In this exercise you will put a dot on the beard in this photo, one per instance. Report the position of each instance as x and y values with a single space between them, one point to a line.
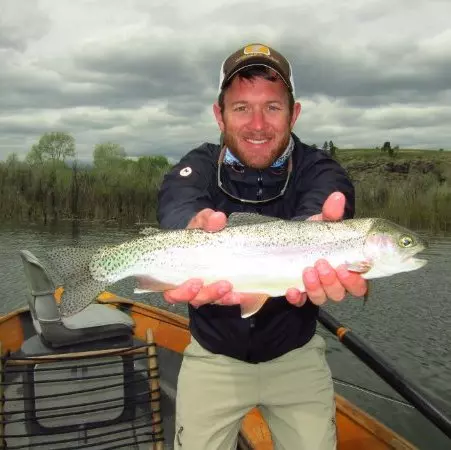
258 159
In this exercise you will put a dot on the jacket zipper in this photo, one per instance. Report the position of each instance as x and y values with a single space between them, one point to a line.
260 185
259 190
250 343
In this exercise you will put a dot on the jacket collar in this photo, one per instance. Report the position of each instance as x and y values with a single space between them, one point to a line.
231 159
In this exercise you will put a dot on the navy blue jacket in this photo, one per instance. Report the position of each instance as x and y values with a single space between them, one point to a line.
191 185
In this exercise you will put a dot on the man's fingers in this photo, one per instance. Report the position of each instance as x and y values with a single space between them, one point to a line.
352 281
216 221
195 292
316 217
313 286
214 293
296 297
322 282
334 207
332 286
208 220
185 292
199 220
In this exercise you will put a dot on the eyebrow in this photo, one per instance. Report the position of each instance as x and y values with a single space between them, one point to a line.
244 102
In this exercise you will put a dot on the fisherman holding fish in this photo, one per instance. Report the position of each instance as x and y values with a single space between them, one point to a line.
251 236
274 359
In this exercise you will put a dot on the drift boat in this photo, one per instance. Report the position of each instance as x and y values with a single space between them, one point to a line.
106 378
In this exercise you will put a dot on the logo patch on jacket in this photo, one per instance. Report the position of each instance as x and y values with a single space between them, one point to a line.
186 172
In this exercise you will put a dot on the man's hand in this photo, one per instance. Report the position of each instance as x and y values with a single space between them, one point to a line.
193 291
208 220
322 282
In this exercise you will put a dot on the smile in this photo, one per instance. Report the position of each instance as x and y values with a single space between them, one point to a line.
257 142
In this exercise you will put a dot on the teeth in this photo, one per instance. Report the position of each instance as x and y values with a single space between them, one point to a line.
253 141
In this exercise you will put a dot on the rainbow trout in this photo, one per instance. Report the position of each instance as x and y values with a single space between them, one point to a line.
257 254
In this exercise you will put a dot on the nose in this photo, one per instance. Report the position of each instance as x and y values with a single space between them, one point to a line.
257 120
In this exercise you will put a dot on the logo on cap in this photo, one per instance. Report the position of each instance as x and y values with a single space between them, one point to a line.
256 48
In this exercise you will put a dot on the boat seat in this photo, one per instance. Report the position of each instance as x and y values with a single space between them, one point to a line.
94 323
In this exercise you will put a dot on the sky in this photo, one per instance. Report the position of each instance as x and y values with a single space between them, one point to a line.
145 73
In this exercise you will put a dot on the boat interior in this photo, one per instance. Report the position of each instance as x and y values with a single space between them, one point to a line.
86 381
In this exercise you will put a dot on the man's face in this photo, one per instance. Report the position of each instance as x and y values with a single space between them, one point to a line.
256 120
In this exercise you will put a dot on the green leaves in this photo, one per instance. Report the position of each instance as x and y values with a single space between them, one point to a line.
55 146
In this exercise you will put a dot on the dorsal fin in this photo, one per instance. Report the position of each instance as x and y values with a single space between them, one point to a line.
240 218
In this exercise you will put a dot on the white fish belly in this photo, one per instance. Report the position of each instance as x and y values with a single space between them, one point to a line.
263 270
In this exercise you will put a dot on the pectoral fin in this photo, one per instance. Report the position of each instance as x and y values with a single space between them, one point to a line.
361 267
358 266
251 303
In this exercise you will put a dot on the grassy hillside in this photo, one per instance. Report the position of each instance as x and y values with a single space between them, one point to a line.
371 153
413 187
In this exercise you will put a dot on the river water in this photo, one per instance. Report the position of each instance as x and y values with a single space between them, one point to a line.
407 319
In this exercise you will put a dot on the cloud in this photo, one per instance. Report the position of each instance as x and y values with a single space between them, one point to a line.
144 74
20 25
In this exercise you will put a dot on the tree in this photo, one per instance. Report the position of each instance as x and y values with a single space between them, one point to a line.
393 151
332 148
325 146
107 154
386 147
153 163
12 160
34 156
54 146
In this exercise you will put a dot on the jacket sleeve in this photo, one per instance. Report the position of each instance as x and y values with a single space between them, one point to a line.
185 189
321 176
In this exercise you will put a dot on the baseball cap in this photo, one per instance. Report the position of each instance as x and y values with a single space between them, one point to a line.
256 55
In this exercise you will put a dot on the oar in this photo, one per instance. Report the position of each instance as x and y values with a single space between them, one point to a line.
407 389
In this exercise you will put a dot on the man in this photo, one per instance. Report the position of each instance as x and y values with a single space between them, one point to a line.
273 359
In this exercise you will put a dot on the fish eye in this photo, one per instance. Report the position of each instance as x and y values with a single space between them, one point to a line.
406 241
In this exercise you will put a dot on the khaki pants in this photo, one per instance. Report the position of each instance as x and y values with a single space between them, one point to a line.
293 392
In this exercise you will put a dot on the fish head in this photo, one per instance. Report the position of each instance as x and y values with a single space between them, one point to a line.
390 249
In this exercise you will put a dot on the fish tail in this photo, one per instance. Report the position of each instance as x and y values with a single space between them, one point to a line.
79 287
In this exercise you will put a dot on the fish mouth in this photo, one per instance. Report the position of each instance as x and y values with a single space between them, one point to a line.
413 263
418 260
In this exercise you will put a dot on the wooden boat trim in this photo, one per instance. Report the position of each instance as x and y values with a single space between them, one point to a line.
61 356
364 420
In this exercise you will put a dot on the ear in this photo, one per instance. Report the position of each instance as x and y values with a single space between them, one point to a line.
296 112
218 115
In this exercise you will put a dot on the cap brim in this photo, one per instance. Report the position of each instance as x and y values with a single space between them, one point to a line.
257 62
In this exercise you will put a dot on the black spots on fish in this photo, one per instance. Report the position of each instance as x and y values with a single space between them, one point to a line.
108 265
69 262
